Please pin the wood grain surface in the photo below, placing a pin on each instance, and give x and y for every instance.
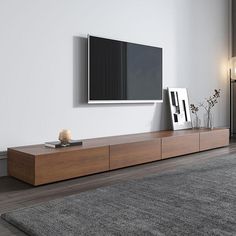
(21, 166)
(37, 164)
(180, 145)
(123, 155)
(214, 139)
(61, 166)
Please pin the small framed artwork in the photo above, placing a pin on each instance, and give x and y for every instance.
(179, 108)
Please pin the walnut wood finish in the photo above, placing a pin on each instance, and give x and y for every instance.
(123, 155)
(214, 139)
(37, 164)
(67, 165)
(180, 145)
(42, 169)
(40, 149)
(21, 166)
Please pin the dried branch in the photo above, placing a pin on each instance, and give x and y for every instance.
(210, 102)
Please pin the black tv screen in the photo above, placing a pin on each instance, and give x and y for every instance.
(123, 72)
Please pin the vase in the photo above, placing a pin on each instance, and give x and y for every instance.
(196, 123)
(208, 118)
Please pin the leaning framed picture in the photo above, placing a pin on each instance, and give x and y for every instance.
(179, 108)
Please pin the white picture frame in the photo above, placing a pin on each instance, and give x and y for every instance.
(179, 108)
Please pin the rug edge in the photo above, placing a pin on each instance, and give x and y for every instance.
(14, 223)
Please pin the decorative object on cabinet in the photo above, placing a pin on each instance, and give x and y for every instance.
(65, 137)
(179, 107)
(208, 104)
(196, 121)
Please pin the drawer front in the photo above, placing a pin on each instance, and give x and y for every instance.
(66, 165)
(180, 145)
(123, 155)
(214, 139)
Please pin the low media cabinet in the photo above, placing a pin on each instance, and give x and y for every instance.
(37, 164)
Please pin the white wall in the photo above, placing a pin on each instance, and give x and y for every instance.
(43, 68)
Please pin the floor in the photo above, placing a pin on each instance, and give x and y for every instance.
(16, 194)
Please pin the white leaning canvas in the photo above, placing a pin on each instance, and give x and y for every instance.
(179, 108)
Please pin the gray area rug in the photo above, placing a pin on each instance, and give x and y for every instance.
(191, 200)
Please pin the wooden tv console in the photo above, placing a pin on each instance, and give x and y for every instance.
(38, 165)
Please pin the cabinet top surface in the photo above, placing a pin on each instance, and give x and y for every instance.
(40, 149)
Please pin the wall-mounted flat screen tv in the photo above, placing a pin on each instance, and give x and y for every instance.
(123, 72)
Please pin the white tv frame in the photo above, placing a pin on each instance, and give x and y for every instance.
(115, 101)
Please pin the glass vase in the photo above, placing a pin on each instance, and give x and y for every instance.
(208, 118)
(196, 123)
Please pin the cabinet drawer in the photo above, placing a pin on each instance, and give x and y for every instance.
(122, 155)
(214, 139)
(180, 145)
(54, 167)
